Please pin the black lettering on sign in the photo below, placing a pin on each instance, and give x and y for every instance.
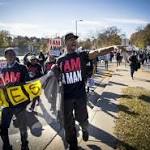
(16, 95)
(34, 88)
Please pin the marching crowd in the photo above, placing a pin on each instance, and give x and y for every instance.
(72, 66)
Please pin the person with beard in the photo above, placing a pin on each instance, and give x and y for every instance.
(12, 74)
(72, 66)
(35, 71)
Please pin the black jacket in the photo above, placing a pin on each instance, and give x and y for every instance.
(13, 75)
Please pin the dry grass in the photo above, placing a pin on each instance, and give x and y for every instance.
(133, 123)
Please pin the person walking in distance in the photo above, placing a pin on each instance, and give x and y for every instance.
(118, 58)
(13, 74)
(107, 58)
(72, 65)
(134, 64)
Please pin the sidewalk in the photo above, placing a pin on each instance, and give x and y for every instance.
(102, 78)
(102, 116)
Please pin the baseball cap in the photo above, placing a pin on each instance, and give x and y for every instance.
(70, 36)
(9, 49)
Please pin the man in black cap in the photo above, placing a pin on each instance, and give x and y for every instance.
(73, 68)
(13, 74)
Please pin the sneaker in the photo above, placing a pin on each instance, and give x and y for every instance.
(85, 135)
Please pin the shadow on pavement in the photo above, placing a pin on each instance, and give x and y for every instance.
(49, 118)
(121, 69)
(53, 124)
(126, 96)
(145, 98)
(105, 138)
(110, 83)
(94, 147)
(127, 110)
(109, 95)
(80, 148)
(32, 122)
(142, 79)
(100, 84)
(117, 74)
(105, 103)
(92, 99)
(98, 75)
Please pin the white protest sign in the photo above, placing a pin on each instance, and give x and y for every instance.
(55, 42)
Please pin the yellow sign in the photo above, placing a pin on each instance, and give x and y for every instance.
(20, 94)
(33, 89)
(16, 95)
(3, 101)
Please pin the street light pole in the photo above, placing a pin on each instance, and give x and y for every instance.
(76, 24)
